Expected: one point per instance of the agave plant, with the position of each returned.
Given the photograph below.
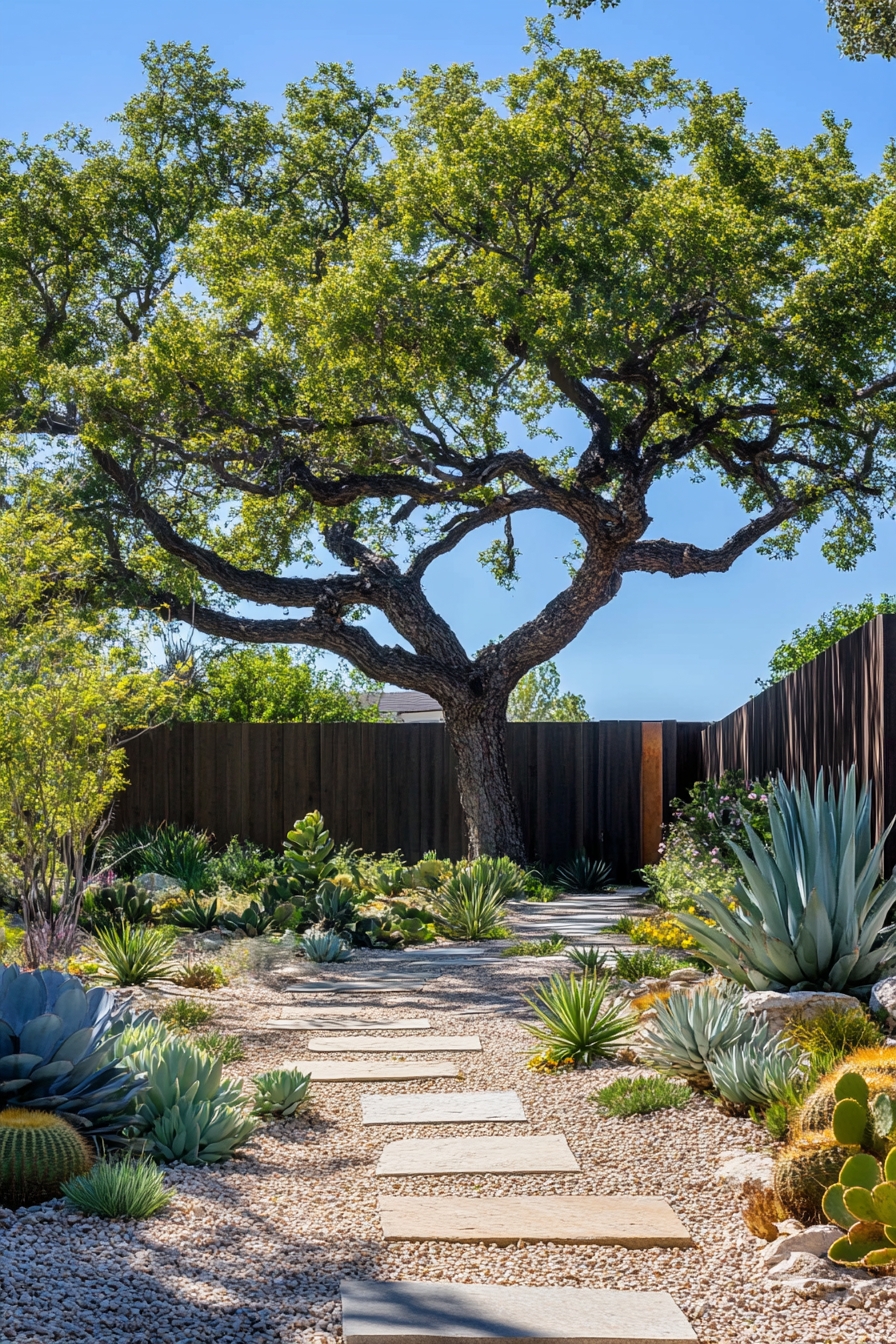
(588, 959)
(337, 909)
(198, 1132)
(574, 1021)
(198, 916)
(120, 901)
(56, 1050)
(281, 1093)
(811, 912)
(691, 1027)
(324, 945)
(757, 1069)
(253, 922)
(583, 874)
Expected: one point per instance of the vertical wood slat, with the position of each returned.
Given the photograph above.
(651, 791)
(389, 786)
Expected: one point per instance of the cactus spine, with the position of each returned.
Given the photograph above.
(38, 1152)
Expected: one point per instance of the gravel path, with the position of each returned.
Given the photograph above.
(253, 1250)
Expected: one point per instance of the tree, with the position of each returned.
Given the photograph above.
(537, 698)
(67, 691)
(808, 643)
(382, 302)
(866, 27)
(271, 686)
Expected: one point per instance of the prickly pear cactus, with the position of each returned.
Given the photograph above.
(863, 1203)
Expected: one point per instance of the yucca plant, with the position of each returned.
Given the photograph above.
(470, 904)
(811, 912)
(575, 1023)
(588, 959)
(281, 1093)
(183, 855)
(124, 1188)
(583, 874)
(132, 954)
(689, 1028)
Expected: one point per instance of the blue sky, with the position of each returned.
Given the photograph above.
(686, 649)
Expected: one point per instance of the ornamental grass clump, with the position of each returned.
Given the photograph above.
(640, 1096)
(123, 1188)
(811, 911)
(649, 964)
(575, 1023)
(133, 954)
(185, 1015)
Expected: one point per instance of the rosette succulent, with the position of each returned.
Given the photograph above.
(56, 1051)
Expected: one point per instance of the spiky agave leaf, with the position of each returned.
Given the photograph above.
(281, 1092)
(811, 911)
(757, 1069)
(691, 1027)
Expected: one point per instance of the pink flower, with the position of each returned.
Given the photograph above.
(711, 815)
(714, 851)
(752, 795)
(764, 798)
(662, 849)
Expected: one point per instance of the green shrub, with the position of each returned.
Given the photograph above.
(228, 1049)
(649, 964)
(185, 1015)
(243, 866)
(833, 1035)
(125, 1188)
(574, 1022)
(281, 1093)
(547, 947)
(639, 1096)
(132, 954)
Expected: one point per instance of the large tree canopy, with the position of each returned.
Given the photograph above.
(354, 327)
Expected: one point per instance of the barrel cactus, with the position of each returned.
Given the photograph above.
(39, 1151)
(56, 1050)
(803, 1172)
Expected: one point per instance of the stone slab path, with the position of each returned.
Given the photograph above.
(440, 1108)
(566, 1219)
(288, 1022)
(480, 1155)
(394, 985)
(369, 1071)
(395, 1045)
(413, 1312)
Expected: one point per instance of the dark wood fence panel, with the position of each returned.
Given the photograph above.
(388, 786)
(827, 714)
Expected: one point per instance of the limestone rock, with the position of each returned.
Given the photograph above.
(156, 883)
(883, 996)
(737, 1171)
(805, 1265)
(815, 1241)
(804, 1003)
(686, 975)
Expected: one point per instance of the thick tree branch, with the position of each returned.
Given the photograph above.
(678, 558)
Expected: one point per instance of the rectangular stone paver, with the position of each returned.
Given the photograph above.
(440, 1108)
(369, 1070)
(409, 1313)
(392, 1045)
(288, 1021)
(477, 1155)
(629, 1221)
(396, 985)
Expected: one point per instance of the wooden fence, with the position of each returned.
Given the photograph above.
(837, 710)
(393, 786)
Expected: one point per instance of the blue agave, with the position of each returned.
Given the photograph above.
(56, 1051)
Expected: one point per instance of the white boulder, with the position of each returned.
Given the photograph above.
(737, 1171)
(815, 1240)
(883, 996)
(156, 883)
(805, 1003)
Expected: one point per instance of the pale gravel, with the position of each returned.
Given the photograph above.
(253, 1250)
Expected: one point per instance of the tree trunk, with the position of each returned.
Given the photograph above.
(478, 735)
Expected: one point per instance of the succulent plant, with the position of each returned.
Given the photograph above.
(691, 1027)
(125, 1188)
(133, 954)
(812, 912)
(306, 852)
(281, 1092)
(757, 1069)
(583, 874)
(858, 1120)
(588, 959)
(56, 1051)
(324, 945)
(120, 901)
(575, 1021)
(470, 903)
(198, 916)
(803, 1172)
(198, 1132)
(253, 922)
(337, 909)
(863, 1203)
(38, 1152)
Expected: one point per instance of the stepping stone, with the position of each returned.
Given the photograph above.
(398, 985)
(289, 1023)
(576, 1219)
(476, 1156)
(369, 1071)
(411, 1312)
(440, 1108)
(393, 1045)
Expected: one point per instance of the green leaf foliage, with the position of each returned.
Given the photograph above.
(574, 1022)
(640, 1096)
(836, 624)
(272, 685)
(124, 1188)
